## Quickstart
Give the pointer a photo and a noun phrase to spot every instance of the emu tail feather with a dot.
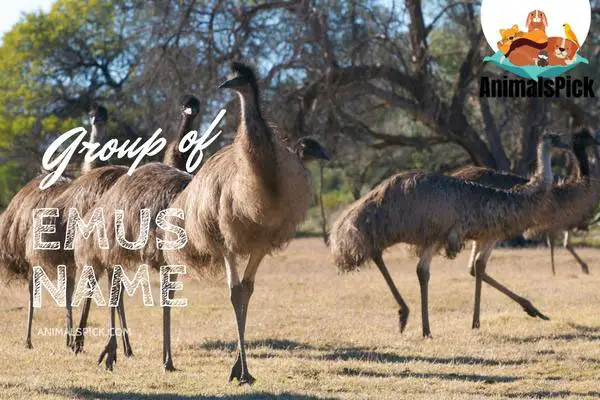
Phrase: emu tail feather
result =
(351, 239)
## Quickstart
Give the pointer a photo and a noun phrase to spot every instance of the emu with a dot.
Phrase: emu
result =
(431, 212)
(246, 201)
(573, 201)
(16, 255)
(153, 186)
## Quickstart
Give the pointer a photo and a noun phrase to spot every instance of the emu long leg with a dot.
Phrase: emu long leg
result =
(167, 354)
(523, 302)
(479, 255)
(567, 243)
(78, 341)
(77, 344)
(29, 315)
(69, 307)
(404, 311)
(110, 350)
(123, 322)
(423, 275)
(247, 290)
(239, 295)
(550, 239)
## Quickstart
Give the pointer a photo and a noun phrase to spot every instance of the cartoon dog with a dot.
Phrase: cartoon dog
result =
(508, 37)
(561, 51)
(536, 20)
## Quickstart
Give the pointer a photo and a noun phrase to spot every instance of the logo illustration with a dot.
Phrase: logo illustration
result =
(535, 39)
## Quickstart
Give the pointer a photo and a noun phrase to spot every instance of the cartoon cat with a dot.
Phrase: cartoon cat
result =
(508, 36)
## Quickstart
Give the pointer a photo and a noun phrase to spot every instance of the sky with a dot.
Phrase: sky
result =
(10, 10)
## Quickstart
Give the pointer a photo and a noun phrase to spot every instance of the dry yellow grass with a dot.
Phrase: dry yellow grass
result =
(314, 334)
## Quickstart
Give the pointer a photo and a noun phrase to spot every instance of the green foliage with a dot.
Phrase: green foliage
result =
(52, 66)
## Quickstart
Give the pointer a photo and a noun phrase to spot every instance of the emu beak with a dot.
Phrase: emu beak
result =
(231, 83)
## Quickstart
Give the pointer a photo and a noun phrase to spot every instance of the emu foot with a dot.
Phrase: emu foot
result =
(77, 343)
(127, 351)
(70, 339)
(127, 348)
(168, 366)
(110, 351)
(476, 324)
(532, 311)
(243, 377)
(403, 318)
(28, 344)
(585, 269)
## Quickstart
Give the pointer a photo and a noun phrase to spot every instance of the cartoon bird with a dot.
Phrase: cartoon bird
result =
(569, 34)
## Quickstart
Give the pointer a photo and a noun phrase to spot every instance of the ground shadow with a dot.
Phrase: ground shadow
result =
(81, 393)
(273, 344)
(332, 353)
(428, 375)
(549, 395)
(585, 329)
(537, 338)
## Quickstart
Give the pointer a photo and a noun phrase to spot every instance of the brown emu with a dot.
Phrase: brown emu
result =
(85, 191)
(81, 194)
(16, 255)
(246, 201)
(572, 203)
(152, 186)
(431, 212)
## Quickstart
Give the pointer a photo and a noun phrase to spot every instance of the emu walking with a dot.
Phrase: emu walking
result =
(16, 255)
(81, 195)
(153, 186)
(431, 212)
(246, 201)
(572, 202)
(85, 191)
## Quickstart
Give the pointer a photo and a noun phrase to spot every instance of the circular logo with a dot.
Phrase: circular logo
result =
(504, 14)
(536, 38)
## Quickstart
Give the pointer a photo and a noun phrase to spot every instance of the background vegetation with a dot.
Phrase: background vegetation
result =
(387, 85)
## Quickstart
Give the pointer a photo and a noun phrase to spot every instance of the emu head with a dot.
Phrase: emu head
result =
(98, 114)
(190, 105)
(242, 78)
(309, 149)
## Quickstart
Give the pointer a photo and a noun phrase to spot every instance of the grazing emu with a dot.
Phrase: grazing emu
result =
(572, 202)
(152, 186)
(16, 256)
(431, 212)
(246, 201)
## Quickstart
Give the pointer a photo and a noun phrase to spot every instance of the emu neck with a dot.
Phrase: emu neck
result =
(582, 159)
(173, 157)
(544, 165)
(97, 134)
(255, 139)
(597, 162)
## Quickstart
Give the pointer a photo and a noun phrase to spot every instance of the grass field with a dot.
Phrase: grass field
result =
(314, 334)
